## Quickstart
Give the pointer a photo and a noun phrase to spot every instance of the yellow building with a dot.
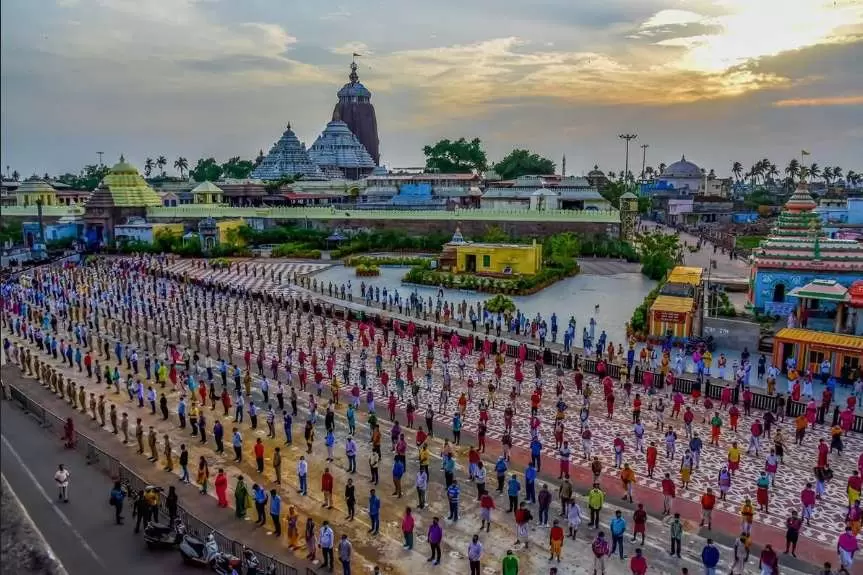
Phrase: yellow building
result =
(498, 259)
(673, 315)
(228, 231)
(207, 193)
(34, 189)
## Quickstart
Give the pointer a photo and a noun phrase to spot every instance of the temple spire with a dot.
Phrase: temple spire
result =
(353, 77)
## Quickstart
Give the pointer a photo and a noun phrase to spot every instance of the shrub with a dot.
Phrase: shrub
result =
(296, 250)
(500, 303)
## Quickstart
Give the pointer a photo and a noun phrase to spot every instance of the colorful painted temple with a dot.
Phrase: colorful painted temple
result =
(796, 254)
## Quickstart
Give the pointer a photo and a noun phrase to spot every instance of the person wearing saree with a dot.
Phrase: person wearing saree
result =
(311, 542)
(203, 476)
(241, 498)
(293, 528)
(221, 484)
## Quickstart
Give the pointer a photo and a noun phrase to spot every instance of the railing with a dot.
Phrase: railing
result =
(328, 213)
(48, 211)
(134, 483)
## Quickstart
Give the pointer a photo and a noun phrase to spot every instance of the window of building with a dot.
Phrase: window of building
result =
(486, 261)
(816, 356)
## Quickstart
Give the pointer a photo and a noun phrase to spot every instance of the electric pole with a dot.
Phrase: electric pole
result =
(643, 159)
(627, 137)
(100, 158)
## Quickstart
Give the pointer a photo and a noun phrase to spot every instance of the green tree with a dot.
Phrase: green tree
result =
(181, 164)
(161, 162)
(737, 169)
(561, 249)
(237, 169)
(206, 170)
(522, 163)
(148, 167)
(495, 235)
(456, 156)
(659, 253)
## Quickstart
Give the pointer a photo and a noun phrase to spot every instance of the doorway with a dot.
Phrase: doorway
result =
(470, 263)
(779, 293)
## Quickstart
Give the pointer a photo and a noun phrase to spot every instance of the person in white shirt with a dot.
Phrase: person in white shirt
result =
(62, 480)
(325, 541)
(302, 474)
(422, 486)
(474, 555)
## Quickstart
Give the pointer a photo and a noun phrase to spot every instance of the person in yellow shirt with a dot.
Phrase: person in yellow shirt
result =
(334, 389)
(663, 366)
(733, 458)
(424, 457)
(708, 361)
(627, 476)
(747, 514)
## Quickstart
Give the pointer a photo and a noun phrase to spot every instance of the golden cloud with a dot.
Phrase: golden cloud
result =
(816, 102)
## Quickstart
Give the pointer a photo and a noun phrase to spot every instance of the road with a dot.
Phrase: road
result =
(82, 532)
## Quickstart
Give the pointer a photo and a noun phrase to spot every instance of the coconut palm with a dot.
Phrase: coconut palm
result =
(737, 169)
(853, 178)
(662, 167)
(827, 175)
(148, 167)
(181, 164)
(161, 162)
(804, 173)
(837, 173)
(15, 175)
(772, 172)
(649, 172)
(814, 170)
(793, 170)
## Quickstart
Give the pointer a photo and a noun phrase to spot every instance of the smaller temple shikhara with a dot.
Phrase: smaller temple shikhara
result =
(797, 253)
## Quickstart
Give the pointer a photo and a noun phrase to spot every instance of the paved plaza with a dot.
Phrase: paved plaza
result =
(224, 323)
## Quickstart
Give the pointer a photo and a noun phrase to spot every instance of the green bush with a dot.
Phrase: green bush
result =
(296, 250)
(385, 261)
(500, 303)
(368, 270)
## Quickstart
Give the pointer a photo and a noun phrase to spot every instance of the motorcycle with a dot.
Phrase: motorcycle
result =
(162, 536)
(226, 564)
(197, 552)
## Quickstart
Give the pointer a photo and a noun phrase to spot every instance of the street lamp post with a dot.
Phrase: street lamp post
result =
(627, 138)
(643, 159)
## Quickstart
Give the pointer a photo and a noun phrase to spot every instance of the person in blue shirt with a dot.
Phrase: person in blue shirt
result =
(448, 469)
(287, 423)
(695, 446)
(398, 472)
(513, 487)
(218, 434)
(500, 469)
(374, 512)
(452, 495)
(276, 512)
(352, 419)
(260, 503)
(618, 530)
(456, 428)
(710, 558)
(116, 500)
(530, 483)
(536, 453)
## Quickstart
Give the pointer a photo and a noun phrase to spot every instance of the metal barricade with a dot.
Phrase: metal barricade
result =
(134, 483)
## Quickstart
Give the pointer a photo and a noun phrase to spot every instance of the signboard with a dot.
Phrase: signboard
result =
(669, 316)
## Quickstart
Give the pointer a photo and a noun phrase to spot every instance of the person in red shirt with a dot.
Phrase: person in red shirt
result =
(639, 520)
(652, 453)
(534, 403)
(486, 504)
(638, 564)
(708, 502)
(636, 408)
(259, 455)
(327, 488)
(555, 541)
(669, 491)
(733, 417)
(823, 450)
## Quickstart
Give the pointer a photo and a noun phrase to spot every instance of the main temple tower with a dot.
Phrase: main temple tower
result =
(355, 109)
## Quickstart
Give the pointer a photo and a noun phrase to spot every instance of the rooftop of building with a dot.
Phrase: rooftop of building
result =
(682, 169)
(338, 147)
(124, 187)
(287, 158)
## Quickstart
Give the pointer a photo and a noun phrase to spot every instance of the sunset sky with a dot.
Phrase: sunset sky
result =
(719, 80)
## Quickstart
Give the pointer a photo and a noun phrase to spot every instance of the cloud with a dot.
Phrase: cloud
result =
(817, 102)
(672, 18)
(350, 48)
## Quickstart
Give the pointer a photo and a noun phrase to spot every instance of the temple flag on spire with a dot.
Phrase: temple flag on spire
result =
(804, 153)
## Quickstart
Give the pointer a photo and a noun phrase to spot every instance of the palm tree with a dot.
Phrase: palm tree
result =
(793, 170)
(662, 167)
(837, 173)
(772, 172)
(148, 167)
(827, 175)
(804, 173)
(181, 164)
(15, 175)
(161, 162)
(649, 171)
(814, 170)
(853, 178)
(737, 169)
